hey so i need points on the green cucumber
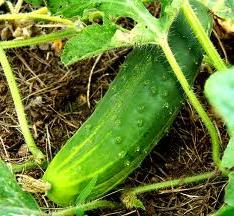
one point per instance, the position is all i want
(135, 113)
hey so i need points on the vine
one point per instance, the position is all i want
(19, 107)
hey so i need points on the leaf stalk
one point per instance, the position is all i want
(25, 16)
(202, 36)
(195, 102)
(19, 107)
(67, 33)
(86, 207)
(172, 183)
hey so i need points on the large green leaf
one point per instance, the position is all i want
(229, 190)
(228, 159)
(222, 8)
(128, 8)
(96, 39)
(225, 211)
(134, 9)
(219, 89)
(13, 200)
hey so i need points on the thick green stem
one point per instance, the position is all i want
(85, 207)
(37, 154)
(202, 36)
(194, 101)
(68, 33)
(172, 183)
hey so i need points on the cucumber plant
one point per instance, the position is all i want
(83, 170)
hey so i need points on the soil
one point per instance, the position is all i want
(55, 98)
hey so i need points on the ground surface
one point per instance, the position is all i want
(56, 103)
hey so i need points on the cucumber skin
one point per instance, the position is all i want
(137, 110)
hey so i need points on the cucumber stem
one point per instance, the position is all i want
(194, 101)
(25, 16)
(19, 107)
(86, 207)
(26, 166)
(67, 33)
(202, 37)
(171, 183)
(43, 10)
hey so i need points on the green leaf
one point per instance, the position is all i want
(136, 203)
(131, 201)
(228, 159)
(123, 8)
(92, 41)
(96, 39)
(82, 198)
(223, 9)
(128, 8)
(229, 190)
(170, 9)
(63, 7)
(18, 211)
(13, 200)
(219, 89)
(225, 211)
(134, 9)
(110, 9)
(87, 191)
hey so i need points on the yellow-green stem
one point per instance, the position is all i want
(85, 207)
(194, 101)
(22, 16)
(27, 166)
(19, 107)
(67, 33)
(43, 10)
(202, 36)
(171, 183)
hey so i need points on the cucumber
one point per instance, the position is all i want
(133, 116)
